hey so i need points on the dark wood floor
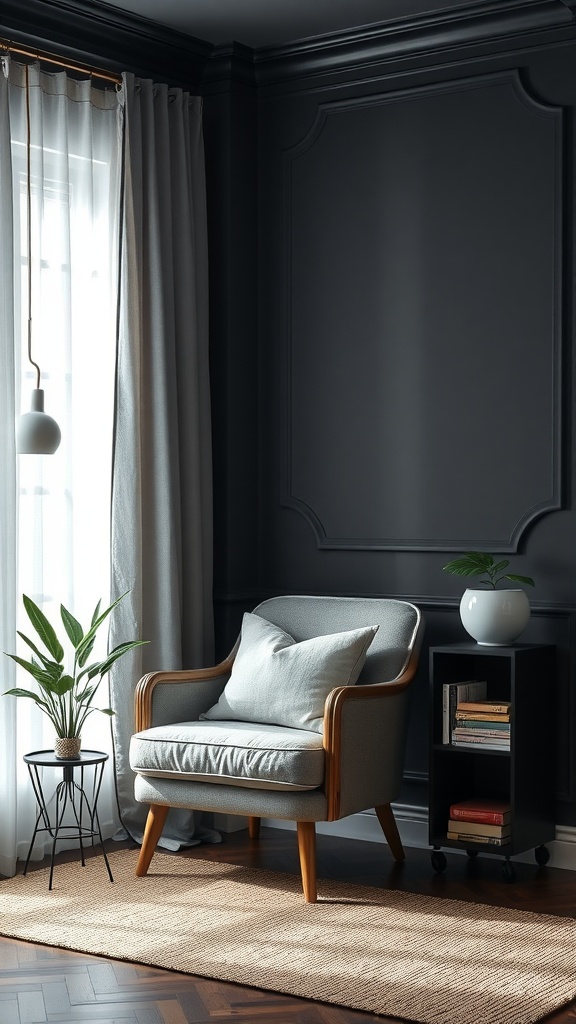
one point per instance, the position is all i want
(42, 984)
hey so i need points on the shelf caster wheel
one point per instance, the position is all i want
(438, 861)
(472, 854)
(508, 871)
(542, 855)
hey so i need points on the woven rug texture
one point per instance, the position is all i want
(392, 953)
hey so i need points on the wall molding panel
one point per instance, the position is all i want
(373, 50)
(429, 362)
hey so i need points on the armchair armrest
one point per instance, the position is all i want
(364, 742)
(164, 697)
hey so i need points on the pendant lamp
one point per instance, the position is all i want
(36, 432)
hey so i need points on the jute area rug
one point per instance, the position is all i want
(392, 953)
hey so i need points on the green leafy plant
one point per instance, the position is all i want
(477, 563)
(66, 698)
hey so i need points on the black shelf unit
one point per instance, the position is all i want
(525, 776)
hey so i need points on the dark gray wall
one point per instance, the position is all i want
(416, 339)
(421, 286)
(391, 224)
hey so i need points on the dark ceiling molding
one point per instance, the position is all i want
(231, 63)
(477, 23)
(95, 32)
(99, 34)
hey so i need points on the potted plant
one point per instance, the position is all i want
(493, 617)
(66, 697)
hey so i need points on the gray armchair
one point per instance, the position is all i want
(187, 753)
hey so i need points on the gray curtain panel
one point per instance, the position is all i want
(162, 482)
(9, 764)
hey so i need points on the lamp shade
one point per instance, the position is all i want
(36, 432)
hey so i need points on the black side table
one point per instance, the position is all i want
(68, 793)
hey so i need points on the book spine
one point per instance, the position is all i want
(495, 709)
(474, 828)
(449, 705)
(446, 713)
(479, 716)
(481, 723)
(464, 837)
(480, 817)
(480, 734)
(481, 744)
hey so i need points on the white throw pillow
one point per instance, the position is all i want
(277, 681)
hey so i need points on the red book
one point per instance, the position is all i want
(490, 812)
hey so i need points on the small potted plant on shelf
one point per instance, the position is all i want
(66, 697)
(494, 616)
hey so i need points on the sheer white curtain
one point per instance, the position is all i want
(162, 491)
(54, 527)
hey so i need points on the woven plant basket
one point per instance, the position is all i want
(67, 748)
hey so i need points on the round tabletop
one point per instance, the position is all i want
(48, 759)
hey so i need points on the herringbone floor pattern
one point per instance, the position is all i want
(43, 984)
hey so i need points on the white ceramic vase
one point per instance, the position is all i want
(494, 618)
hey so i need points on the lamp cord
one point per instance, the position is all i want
(29, 213)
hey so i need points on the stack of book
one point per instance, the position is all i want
(482, 723)
(480, 821)
(452, 695)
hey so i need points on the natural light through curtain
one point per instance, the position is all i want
(61, 532)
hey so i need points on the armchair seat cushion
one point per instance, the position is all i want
(231, 753)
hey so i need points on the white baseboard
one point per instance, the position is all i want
(413, 828)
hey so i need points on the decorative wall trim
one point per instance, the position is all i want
(550, 467)
(95, 32)
(431, 602)
(476, 25)
(230, 63)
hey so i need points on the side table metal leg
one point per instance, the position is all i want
(61, 802)
(95, 818)
(42, 811)
(34, 834)
(72, 789)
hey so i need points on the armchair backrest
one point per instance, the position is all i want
(395, 645)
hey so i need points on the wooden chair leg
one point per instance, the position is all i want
(154, 825)
(254, 828)
(307, 849)
(390, 829)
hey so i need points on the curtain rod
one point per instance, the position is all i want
(51, 58)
